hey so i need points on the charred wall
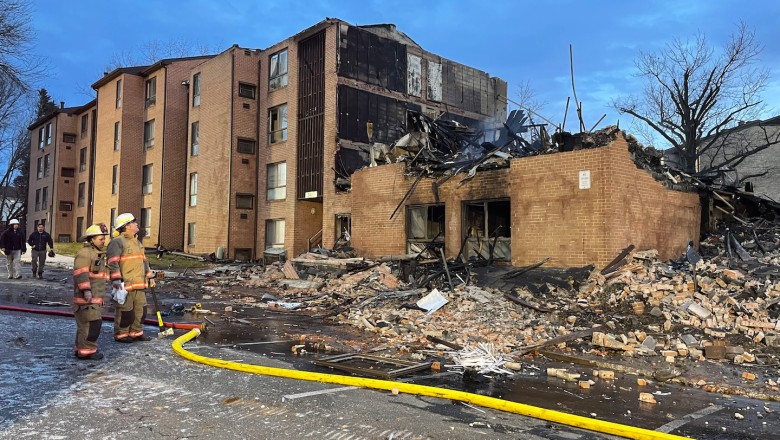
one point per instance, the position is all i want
(357, 107)
(371, 59)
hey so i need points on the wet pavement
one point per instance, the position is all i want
(145, 390)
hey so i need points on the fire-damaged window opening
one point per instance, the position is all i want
(425, 228)
(343, 227)
(486, 223)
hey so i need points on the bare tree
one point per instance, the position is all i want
(151, 51)
(16, 64)
(694, 97)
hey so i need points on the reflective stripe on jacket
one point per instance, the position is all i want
(89, 273)
(127, 262)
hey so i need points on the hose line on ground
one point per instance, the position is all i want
(423, 390)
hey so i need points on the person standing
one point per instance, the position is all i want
(89, 287)
(38, 241)
(127, 265)
(13, 245)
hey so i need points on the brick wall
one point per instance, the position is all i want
(212, 163)
(551, 216)
(83, 140)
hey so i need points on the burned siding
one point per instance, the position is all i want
(357, 107)
(311, 116)
(371, 59)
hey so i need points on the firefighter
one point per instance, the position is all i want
(89, 279)
(127, 264)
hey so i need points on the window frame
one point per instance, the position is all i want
(193, 201)
(282, 118)
(39, 168)
(272, 244)
(149, 131)
(191, 233)
(145, 221)
(81, 194)
(147, 179)
(114, 179)
(117, 135)
(38, 199)
(150, 92)
(41, 137)
(46, 165)
(272, 188)
(279, 79)
(195, 138)
(83, 159)
(119, 93)
(48, 133)
(44, 198)
(196, 86)
(84, 124)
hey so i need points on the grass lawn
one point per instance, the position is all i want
(167, 262)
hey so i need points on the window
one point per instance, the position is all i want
(66, 206)
(68, 172)
(245, 201)
(48, 133)
(247, 90)
(149, 134)
(343, 227)
(193, 189)
(112, 217)
(40, 168)
(276, 181)
(277, 124)
(145, 222)
(147, 179)
(41, 137)
(114, 179)
(83, 159)
(196, 90)
(244, 145)
(84, 124)
(79, 227)
(151, 92)
(46, 165)
(37, 199)
(190, 233)
(488, 221)
(195, 138)
(82, 193)
(277, 77)
(119, 93)
(116, 136)
(45, 198)
(274, 233)
(69, 138)
(426, 222)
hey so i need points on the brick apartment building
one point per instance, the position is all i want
(61, 171)
(249, 150)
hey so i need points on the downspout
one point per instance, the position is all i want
(162, 157)
(92, 161)
(188, 152)
(255, 247)
(230, 144)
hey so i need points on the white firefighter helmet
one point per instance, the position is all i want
(96, 229)
(13, 221)
(123, 219)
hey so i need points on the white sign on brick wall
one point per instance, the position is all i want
(585, 179)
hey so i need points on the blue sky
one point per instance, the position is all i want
(519, 41)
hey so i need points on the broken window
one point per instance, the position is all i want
(277, 77)
(277, 124)
(486, 223)
(343, 227)
(425, 224)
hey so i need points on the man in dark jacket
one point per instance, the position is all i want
(38, 241)
(12, 242)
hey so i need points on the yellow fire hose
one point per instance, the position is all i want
(423, 390)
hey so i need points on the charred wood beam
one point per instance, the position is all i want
(522, 270)
(406, 196)
(524, 303)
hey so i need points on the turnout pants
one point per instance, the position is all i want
(88, 324)
(128, 321)
(38, 260)
(14, 263)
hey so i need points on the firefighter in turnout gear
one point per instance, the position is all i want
(89, 279)
(127, 265)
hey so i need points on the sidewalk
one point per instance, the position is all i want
(63, 261)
